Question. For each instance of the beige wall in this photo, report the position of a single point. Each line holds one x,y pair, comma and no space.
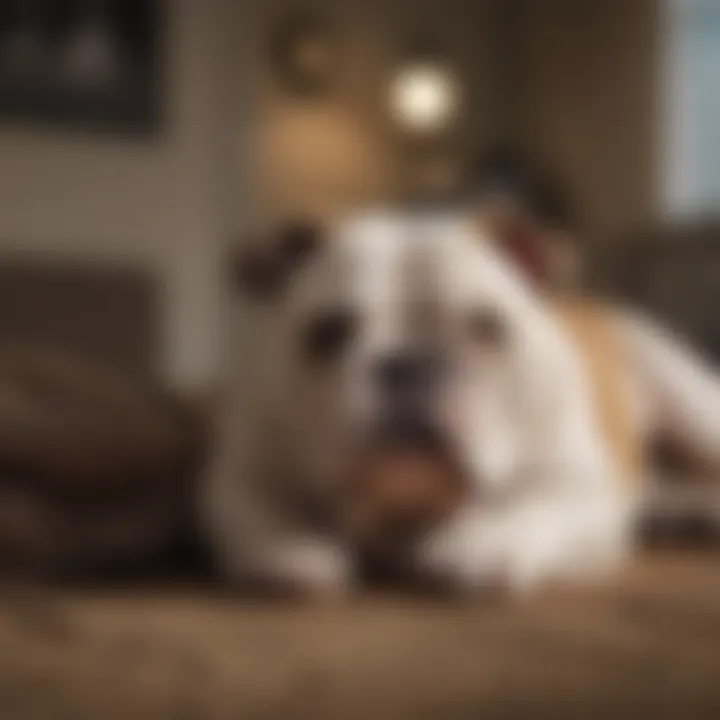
146,202
587,81
343,150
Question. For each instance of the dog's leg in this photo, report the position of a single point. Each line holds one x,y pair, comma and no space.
678,391
540,539
257,547
253,542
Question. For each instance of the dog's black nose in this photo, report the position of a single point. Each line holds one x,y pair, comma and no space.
406,373
407,382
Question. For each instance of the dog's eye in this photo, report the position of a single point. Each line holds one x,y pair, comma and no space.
488,327
326,336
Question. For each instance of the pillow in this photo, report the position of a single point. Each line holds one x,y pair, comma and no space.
96,466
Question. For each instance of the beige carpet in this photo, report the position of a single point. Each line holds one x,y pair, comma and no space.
649,647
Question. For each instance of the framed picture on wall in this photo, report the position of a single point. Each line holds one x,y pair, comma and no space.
92,64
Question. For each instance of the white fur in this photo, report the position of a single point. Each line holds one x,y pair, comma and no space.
547,500
678,391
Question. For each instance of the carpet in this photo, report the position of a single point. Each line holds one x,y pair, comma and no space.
647,646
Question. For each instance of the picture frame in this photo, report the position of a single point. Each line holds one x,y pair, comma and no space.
87,64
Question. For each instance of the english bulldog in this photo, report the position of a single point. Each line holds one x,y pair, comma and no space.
417,332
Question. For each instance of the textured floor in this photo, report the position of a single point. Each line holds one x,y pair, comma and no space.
648,647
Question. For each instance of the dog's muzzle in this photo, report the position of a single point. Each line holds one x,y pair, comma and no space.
406,482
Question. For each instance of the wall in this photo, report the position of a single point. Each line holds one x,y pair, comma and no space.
320,156
138,202
586,99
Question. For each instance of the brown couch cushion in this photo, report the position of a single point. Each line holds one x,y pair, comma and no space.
95,465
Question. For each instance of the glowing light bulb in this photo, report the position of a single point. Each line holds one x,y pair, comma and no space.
424,97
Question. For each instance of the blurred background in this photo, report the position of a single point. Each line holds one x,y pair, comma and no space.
138,139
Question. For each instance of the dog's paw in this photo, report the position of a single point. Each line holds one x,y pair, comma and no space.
480,554
526,546
303,567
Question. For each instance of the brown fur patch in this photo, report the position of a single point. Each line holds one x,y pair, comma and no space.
590,326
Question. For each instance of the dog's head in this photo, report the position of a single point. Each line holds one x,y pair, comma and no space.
410,331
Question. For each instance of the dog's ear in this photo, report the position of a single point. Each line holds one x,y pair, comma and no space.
261,270
520,238
527,212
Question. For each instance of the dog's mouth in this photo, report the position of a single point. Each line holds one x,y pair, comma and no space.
407,481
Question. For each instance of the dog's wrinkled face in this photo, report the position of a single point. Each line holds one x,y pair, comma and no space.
410,329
